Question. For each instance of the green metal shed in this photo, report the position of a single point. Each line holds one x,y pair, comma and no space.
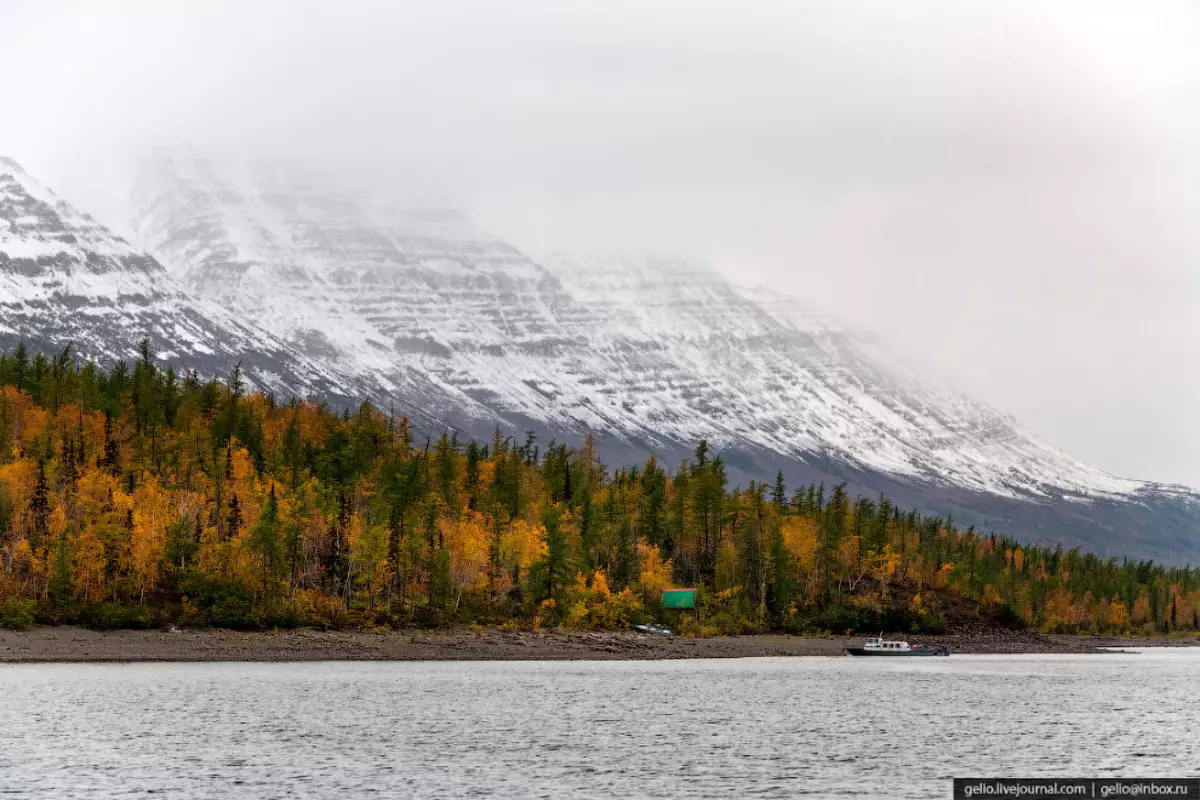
679,598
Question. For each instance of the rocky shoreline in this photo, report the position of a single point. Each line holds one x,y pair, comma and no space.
72,644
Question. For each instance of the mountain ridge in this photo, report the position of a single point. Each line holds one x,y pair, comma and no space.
402,303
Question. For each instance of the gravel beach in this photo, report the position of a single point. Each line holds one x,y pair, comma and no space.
73,644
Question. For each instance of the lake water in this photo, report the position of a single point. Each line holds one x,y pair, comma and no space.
823,727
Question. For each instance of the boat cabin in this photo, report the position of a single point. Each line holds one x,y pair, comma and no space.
879,643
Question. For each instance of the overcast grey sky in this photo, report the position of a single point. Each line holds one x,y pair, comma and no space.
1007,192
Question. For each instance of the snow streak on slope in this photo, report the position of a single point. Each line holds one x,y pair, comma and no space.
654,352
66,278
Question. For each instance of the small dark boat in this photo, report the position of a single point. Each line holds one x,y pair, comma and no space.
878,646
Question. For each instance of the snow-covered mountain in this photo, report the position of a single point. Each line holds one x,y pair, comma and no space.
65,278
425,312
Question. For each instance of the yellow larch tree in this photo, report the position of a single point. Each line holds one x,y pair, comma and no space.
468,537
152,513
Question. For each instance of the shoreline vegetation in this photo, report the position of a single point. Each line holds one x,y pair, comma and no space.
135,498
70,644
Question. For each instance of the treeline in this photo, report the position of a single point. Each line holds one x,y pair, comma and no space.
136,496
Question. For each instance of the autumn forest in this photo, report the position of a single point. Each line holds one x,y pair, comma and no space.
133,496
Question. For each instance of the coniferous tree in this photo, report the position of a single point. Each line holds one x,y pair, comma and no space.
292,450
779,493
69,470
652,523
293,548
264,537
7,429
233,521
39,504
336,555
471,478
781,589
232,405
21,366
588,531
750,534
555,567
625,568
447,471
441,584
6,514
60,576
494,564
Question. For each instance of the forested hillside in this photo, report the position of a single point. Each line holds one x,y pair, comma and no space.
137,496
341,297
